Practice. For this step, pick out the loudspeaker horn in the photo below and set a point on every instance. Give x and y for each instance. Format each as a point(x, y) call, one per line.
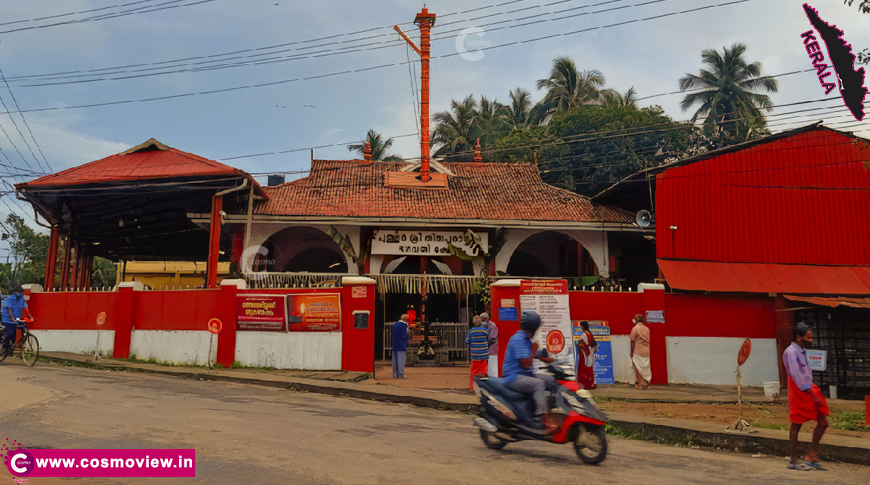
point(644, 218)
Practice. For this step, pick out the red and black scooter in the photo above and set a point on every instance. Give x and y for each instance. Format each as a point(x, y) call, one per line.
point(505, 416)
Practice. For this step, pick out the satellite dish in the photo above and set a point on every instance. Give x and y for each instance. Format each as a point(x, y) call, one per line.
point(644, 218)
point(745, 350)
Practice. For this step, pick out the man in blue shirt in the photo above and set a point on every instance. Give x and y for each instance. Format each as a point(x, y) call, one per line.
point(400, 346)
point(518, 374)
point(12, 308)
point(477, 341)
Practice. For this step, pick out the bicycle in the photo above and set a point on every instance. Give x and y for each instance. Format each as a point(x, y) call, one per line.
point(27, 345)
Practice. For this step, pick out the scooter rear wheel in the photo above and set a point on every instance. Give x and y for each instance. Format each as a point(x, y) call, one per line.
point(491, 441)
point(590, 444)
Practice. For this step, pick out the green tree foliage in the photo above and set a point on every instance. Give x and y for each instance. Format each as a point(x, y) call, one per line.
point(28, 252)
point(380, 146)
point(724, 93)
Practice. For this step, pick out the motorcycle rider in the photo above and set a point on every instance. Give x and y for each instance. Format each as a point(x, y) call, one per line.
point(518, 375)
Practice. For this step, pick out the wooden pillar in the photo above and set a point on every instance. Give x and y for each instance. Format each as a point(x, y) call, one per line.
point(64, 270)
point(51, 261)
point(87, 270)
point(78, 272)
point(214, 241)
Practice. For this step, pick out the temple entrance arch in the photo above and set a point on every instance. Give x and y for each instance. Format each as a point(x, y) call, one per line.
point(302, 249)
point(554, 254)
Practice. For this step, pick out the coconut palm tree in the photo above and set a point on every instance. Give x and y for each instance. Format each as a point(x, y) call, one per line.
point(455, 130)
point(611, 97)
point(725, 91)
point(568, 87)
point(517, 113)
point(379, 144)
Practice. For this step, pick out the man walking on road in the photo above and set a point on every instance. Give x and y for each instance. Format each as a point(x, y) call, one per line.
point(492, 329)
point(400, 346)
point(805, 400)
point(478, 349)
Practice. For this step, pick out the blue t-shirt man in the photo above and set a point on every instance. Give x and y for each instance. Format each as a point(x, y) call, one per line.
point(14, 303)
point(519, 347)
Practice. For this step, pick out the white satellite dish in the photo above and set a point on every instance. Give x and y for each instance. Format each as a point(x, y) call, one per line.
point(644, 218)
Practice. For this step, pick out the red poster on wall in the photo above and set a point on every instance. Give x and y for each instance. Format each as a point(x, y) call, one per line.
point(261, 313)
point(314, 312)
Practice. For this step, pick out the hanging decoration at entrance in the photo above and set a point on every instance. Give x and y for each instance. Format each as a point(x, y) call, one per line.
point(343, 242)
point(435, 284)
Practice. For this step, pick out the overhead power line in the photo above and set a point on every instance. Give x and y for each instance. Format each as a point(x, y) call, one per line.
point(333, 74)
point(112, 15)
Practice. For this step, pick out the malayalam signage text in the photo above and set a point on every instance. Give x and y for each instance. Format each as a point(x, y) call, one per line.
point(261, 313)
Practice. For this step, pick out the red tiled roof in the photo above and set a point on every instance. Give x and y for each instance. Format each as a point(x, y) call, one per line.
point(155, 161)
point(355, 188)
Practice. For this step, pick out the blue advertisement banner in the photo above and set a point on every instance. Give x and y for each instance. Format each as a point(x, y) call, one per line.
point(603, 366)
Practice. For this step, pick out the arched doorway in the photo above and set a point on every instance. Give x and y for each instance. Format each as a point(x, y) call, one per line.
point(302, 249)
point(551, 254)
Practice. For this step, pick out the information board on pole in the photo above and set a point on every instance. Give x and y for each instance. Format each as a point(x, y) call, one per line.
point(549, 299)
point(603, 364)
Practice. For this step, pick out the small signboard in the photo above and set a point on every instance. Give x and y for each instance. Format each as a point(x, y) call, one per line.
point(313, 312)
point(215, 326)
point(818, 360)
point(261, 313)
point(359, 292)
point(555, 342)
point(507, 314)
point(508, 303)
point(655, 316)
point(101, 319)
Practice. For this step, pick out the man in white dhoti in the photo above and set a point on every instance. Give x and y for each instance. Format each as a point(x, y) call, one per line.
point(640, 353)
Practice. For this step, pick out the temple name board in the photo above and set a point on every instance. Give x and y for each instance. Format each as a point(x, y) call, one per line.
point(429, 243)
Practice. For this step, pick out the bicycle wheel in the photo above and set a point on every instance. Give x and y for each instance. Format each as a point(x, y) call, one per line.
point(30, 350)
point(3, 347)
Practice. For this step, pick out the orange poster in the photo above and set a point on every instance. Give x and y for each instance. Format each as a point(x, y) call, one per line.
point(313, 312)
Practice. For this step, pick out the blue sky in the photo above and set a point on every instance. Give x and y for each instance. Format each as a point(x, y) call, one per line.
point(650, 55)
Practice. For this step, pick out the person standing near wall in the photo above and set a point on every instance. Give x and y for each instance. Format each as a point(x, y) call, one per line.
point(492, 330)
point(640, 353)
point(805, 400)
point(400, 346)
point(586, 348)
point(478, 348)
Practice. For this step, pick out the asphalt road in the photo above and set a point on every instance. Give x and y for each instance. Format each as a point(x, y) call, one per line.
point(249, 435)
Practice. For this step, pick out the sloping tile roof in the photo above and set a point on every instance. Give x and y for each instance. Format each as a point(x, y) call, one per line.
point(150, 160)
point(355, 188)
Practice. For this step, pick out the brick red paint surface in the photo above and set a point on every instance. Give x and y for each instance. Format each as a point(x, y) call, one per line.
point(766, 278)
point(616, 308)
point(739, 316)
point(355, 188)
point(190, 310)
point(802, 199)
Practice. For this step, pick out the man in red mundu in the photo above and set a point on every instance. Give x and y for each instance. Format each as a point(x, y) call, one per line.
point(805, 400)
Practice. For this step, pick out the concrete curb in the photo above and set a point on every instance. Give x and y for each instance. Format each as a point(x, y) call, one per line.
point(660, 430)
point(756, 442)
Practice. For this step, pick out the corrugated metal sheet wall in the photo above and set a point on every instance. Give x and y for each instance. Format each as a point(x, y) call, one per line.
point(802, 200)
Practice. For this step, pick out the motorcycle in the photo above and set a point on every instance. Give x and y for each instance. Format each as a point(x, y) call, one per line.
point(505, 416)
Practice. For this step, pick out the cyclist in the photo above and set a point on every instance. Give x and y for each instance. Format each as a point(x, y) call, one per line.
point(13, 306)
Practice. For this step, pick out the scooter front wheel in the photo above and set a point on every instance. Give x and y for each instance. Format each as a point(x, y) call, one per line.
point(590, 444)
point(491, 441)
